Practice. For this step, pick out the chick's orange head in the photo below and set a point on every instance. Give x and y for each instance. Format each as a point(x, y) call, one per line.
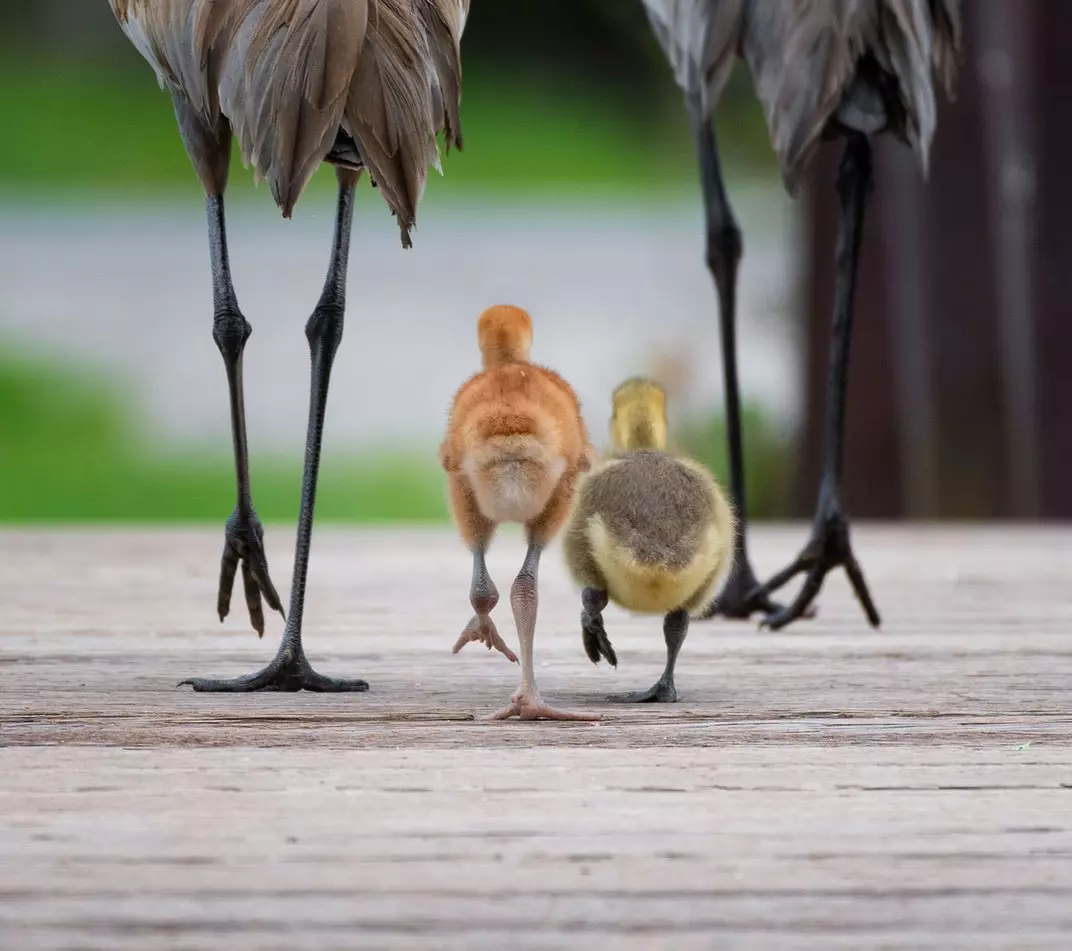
point(505, 335)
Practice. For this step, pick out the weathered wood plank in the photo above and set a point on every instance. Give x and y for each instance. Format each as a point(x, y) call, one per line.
point(828, 787)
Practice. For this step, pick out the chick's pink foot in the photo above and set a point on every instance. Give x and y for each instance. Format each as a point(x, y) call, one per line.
point(483, 629)
point(526, 704)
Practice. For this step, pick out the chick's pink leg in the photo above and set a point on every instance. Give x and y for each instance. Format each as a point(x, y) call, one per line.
point(526, 702)
point(483, 596)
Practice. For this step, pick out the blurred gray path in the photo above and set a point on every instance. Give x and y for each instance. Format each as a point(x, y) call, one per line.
point(614, 290)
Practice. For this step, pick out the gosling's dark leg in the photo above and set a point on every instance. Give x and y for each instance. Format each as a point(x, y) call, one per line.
point(483, 596)
point(740, 597)
point(596, 643)
point(829, 545)
point(244, 536)
point(290, 670)
point(675, 627)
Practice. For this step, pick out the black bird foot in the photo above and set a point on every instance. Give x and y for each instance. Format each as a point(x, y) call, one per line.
point(663, 692)
point(596, 643)
point(741, 596)
point(289, 672)
point(244, 543)
point(829, 547)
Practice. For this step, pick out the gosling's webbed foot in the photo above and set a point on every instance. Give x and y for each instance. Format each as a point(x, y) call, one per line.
point(741, 596)
point(244, 544)
point(596, 643)
point(829, 547)
point(483, 629)
point(526, 704)
point(662, 692)
point(286, 673)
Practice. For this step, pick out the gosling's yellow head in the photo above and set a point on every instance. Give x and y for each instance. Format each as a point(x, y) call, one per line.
point(505, 335)
point(639, 418)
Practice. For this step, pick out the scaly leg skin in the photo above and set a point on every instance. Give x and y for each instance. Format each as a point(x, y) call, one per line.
point(526, 702)
point(483, 596)
point(596, 643)
point(741, 596)
point(244, 536)
point(675, 627)
point(829, 546)
point(290, 670)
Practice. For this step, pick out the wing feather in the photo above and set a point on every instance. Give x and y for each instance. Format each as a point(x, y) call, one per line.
point(290, 75)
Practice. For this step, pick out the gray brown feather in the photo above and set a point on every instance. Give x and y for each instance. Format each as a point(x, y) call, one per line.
point(652, 505)
point(869, 65)
point(304, 81)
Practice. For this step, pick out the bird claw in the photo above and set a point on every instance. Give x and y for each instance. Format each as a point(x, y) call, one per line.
point(663, 692)
point(526, 704)
point(828, 548)
point(596, 643)
point(287, 673)
point(741, 596)
point(483, 629)
point(244, 545)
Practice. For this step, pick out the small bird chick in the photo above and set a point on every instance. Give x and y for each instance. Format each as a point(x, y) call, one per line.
point(514, 449)
point(651, 532)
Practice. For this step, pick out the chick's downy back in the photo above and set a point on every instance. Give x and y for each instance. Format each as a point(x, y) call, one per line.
point(515, 429)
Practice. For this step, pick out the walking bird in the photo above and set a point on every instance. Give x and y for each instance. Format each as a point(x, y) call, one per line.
point(514, 449)
point(822, 69)
point(365, 85)
point(651, 532)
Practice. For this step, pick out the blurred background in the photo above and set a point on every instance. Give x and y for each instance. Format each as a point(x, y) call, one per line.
point(577, 198)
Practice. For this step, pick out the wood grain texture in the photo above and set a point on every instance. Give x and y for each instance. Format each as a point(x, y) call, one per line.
point(826, 787)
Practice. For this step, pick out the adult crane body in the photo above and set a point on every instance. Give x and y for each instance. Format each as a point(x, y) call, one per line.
point(365, 85)
point(848, 69)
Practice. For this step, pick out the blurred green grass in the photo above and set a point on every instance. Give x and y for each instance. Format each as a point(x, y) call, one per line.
point(71, 452)
point(71, 129)
point(767, 449)
point(83, 131)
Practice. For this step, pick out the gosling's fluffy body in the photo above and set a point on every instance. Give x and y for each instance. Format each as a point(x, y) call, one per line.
point(652, 529)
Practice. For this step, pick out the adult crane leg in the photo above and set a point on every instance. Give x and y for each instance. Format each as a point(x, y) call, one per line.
point(290, 670)
point(829, 546)
point(741, 596)
point(210, 152)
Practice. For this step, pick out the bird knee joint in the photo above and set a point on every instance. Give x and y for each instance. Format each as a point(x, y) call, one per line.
point(231, 330)
point(325, 326)
point(594, 600)
point(523, 589)
point(724, 248)
point(484, 600)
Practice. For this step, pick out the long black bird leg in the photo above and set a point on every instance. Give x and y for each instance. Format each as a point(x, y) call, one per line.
point(244, 536)
point(290, 670)
point(740, 596)
point(829, 545)
point(675, 627)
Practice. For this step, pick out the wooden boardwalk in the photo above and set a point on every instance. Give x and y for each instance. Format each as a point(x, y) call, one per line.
point(829, 787)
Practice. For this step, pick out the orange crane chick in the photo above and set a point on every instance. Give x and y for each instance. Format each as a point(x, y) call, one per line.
point(514, 449)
